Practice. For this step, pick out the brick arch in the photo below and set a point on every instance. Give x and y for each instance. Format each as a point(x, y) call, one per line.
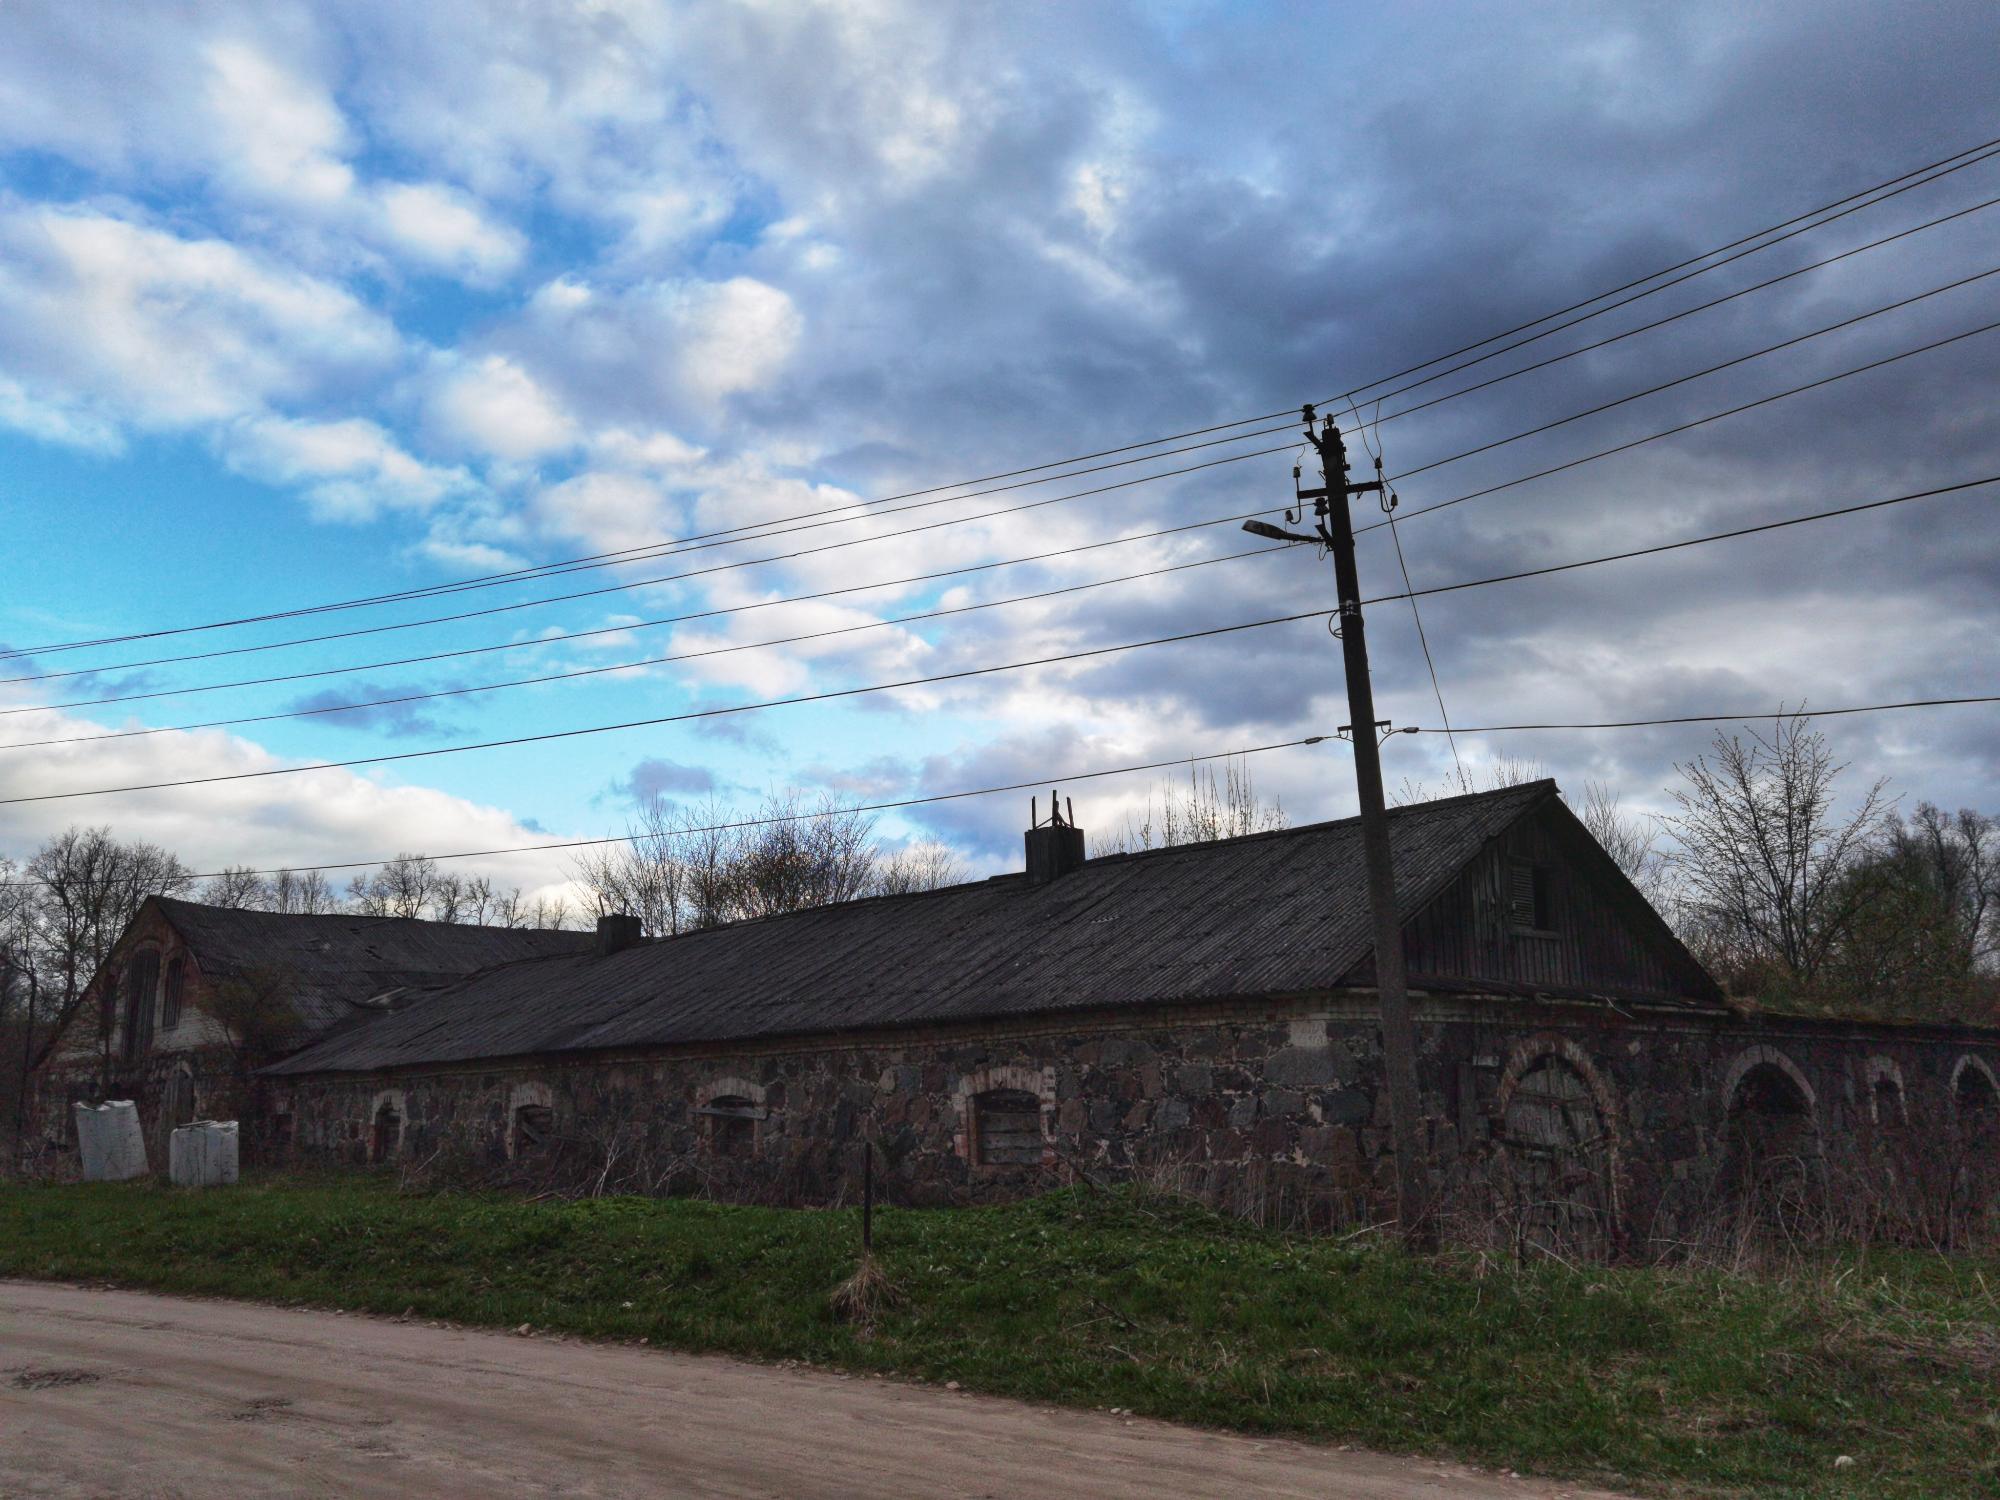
point(1537, 1050)
point(1018, 1077)
point(1758, 1055)
point(726, 1088)
point(1974, 1063)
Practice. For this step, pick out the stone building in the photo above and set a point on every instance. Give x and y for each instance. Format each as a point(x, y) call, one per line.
point(1201, 1014)
point(150, 1028)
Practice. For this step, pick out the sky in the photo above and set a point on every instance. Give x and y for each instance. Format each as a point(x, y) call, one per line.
point(301, 305)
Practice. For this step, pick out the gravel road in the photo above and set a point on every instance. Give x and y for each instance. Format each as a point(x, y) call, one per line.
point(112, 1393)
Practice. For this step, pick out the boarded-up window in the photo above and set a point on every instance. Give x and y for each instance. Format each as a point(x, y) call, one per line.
point(387, 1135)
point(1007, 1127)
point(170, 1002)
point(534, 1124)
point(1529, 897)
point(732, 1126)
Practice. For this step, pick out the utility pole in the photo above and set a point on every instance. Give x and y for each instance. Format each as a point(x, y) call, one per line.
point(1399, 1043)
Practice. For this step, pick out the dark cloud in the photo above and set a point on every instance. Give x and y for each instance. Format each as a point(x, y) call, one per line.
point(656, 778)
point(393, 720)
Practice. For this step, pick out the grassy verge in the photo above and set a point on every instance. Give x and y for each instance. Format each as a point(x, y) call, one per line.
point(1675, 1381)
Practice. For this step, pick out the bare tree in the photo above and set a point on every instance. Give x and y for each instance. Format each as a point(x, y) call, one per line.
point(1200, 812)
point(804, 855)
point(410, 885)
point(305, 893)
point(1764, 863)
point(1633, 842)
point(922, 866)
point(237, 886)
point(89, 886)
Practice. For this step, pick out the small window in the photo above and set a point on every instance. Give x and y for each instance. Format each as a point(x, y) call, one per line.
point(1530, 897)
point(1008, 1128)
point(732, 1126)
point(140, 982)
point(170, 1004)
point(1887, 1102)
point(387, 1136)
point(281, 1131)
point(534, 1124)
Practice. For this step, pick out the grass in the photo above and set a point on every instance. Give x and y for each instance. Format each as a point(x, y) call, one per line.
point(1672, 1381)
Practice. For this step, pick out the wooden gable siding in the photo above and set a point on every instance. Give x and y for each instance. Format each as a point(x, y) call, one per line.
point(1599, 936)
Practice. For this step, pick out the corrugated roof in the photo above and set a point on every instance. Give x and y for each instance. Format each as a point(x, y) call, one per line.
point(335, 962)
point(1265, 914)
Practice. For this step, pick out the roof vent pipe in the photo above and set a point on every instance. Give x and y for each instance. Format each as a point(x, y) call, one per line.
point(1055, 847)
point(616, 932)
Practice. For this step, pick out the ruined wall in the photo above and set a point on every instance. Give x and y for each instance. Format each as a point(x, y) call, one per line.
point(1276, 1109)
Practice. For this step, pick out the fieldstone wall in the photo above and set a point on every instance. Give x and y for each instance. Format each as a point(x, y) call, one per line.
point(1277, 1112)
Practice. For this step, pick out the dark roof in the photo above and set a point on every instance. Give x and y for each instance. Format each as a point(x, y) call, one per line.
point(337, 962)
point(1270, 913)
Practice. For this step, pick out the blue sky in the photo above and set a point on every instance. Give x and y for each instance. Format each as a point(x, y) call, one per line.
point(304, 303)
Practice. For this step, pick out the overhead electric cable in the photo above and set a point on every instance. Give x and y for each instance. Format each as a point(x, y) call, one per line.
point(1666, 432)
point(1727, 364)
point(650, 661)
point(518, 605)
point(1802, 713)
point(987, 670)
point(625, 627)
point(1974, 155)
point(1405, 514)
point(763, 822)
point(1890, 187)
point(692, 714)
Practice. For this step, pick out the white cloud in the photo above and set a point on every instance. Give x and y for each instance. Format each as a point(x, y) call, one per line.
point(169, 332)
point(280, 134)
point(491, 406)
point(444, 228)
point(352, 469)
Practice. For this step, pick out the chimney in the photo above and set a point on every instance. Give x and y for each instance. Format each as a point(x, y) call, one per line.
point(1055, 847)
point(616, 933)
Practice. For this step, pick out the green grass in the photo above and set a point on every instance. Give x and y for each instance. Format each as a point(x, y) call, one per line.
point(1672, 1381)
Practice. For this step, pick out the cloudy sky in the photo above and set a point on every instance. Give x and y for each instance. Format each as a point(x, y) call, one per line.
point(300, 305)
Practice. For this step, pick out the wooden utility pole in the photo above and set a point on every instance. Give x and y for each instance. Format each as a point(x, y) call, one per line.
point(1399, 1042)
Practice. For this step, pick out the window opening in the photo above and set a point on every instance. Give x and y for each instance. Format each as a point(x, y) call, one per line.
point(170, 1003)
point(732, 1126)
point(534, 1124)
point(387, 1135)
point(1008, 1128)
point(140, 981)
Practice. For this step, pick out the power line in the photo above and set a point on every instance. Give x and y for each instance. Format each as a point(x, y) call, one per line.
point(1801, 713)
point(693, 714)
point(934, 525)
point(1675, 317)
point(625, 627)
point(977, 671)
point(651, 661)
point(1985, 151)
point(741, 823)
point(1877, 193)
point(1667, 385)
point(762, 604)
point(1666, 432)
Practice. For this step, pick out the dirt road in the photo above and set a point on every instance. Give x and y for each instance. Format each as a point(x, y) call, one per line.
point(106, 1393)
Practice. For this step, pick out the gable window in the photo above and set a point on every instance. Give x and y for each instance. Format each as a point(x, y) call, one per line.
point(1007, 1128)
point(1530, 896)
point(731, 1126)
point(141, 979)
point(176, 986)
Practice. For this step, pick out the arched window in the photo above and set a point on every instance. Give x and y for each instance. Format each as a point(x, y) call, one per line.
point(1771, 1146)
point(1007, 1128)
point(176, 986)
point(533, 1125)
point(177, 1100)
point(1975, 1098)
point(385, 1137)
point(142, 978)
